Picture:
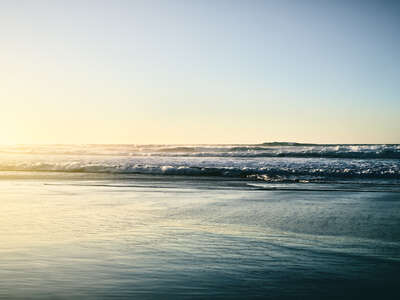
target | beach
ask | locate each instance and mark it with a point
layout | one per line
(99, 235)
(172, 149)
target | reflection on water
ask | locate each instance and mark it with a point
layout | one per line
(144, 239)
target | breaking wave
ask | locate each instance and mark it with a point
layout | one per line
(268, 162)
(245, 151)
(272, 170)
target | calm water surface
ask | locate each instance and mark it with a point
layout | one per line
(82, 236)
(187, 238)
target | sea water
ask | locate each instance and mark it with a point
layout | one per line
(271, 221)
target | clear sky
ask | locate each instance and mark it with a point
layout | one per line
(199, 71)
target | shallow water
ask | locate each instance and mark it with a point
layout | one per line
(68, 235)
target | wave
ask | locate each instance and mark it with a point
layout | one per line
(381, 154)
(254, 162)
(298, 173)
(286, 150)
(388, 154)
(266, 150)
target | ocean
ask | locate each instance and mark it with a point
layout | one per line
(264, 221)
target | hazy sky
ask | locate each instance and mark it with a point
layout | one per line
(199, 71)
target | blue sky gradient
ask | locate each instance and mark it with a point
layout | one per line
(199, 71)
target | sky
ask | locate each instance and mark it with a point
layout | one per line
(192, 71)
